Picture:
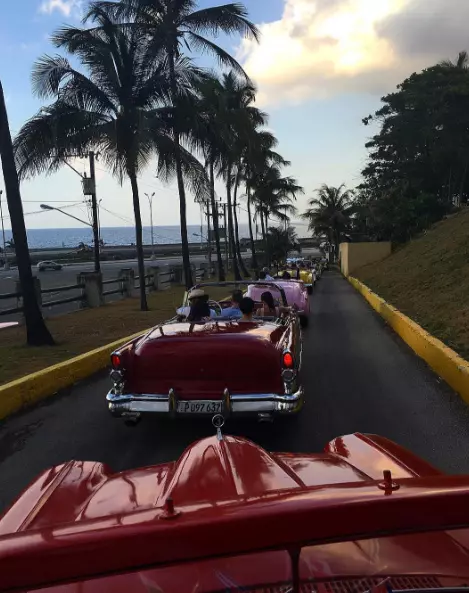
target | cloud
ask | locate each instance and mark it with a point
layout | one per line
(321, 48)
(66, 7)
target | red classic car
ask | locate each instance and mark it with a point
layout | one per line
(228, 516)
(218, 366)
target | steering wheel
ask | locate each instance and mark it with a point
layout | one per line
(216, 305)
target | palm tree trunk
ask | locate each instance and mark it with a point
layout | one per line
(186, 262)
(234, 259)
(236, 228)
(216, 227)
(37, 333)
(264, 237)
(254, 264)
(138, 240)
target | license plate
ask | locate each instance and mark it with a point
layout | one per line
(200, 407)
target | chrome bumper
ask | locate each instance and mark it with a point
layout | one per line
(125, 404)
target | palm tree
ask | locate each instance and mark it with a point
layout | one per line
(37, 333)
(238, 119)
(461, 62)
(330, 212)
(117, 107)
(281, 241)
(174, 25)
(272, 197)
(257, 157)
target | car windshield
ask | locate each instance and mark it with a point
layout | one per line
(402, 563)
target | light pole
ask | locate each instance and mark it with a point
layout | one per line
(150, 201)
(6, 265)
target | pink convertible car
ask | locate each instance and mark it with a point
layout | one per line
(295, 292)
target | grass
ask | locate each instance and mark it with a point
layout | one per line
(79, 332)
(428, 280)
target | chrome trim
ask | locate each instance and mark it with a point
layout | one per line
(116, 376)
(287, 403)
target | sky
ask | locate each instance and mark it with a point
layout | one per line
(320, 67)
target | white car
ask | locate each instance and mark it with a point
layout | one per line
(42, 266)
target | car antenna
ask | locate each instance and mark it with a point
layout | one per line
(218, 422)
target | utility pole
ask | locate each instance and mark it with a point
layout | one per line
(6, 265)
(209, 241)
(227, 243)
(150, 201)
(94, 209)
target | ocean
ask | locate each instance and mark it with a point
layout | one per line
(56, 238)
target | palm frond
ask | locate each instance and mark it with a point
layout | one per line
(229, 19)
(204, 46)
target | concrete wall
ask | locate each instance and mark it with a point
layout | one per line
(356, 255)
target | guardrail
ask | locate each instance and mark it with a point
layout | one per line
(148, 281)
(125, 284)
(119, 290)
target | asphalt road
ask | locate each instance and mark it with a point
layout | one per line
(68, 277)
(358, 376)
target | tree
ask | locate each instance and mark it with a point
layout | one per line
(37, 333)
(330, 212)
(272, 197)
(117, 106)
(174, 25)
(419, 160)
(281, 241)
(257, 156)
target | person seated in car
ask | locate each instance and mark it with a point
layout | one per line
(286, 275)
(267, 274)
(196, 295)
(233, 312)
(268, 307)
(247, 306)
(199, 312)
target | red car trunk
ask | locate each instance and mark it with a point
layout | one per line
(201, 361)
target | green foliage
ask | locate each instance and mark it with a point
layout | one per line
(419, 160)
(330, 213)
(281, 241)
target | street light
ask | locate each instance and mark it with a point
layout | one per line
(150, 201)
(47, 207)
(6, 265)
(203, 237)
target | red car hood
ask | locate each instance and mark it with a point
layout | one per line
(213, 473)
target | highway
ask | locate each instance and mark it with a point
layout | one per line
(68, 276)
(358, 376)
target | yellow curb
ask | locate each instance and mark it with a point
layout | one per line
(443, 360)
(37, 386)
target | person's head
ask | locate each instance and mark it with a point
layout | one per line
(236, 297)
(286, 275)
(266, 270)
(197, 294)
(247, 306)
(262, 275)
(199, 310)
(268, 299)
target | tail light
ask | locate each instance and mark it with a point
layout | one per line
(116, 361)
(288, 361)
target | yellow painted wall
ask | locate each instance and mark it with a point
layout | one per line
(356, 255)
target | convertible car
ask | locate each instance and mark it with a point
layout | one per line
(219, 366)
(296, 294)
(363, 516)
